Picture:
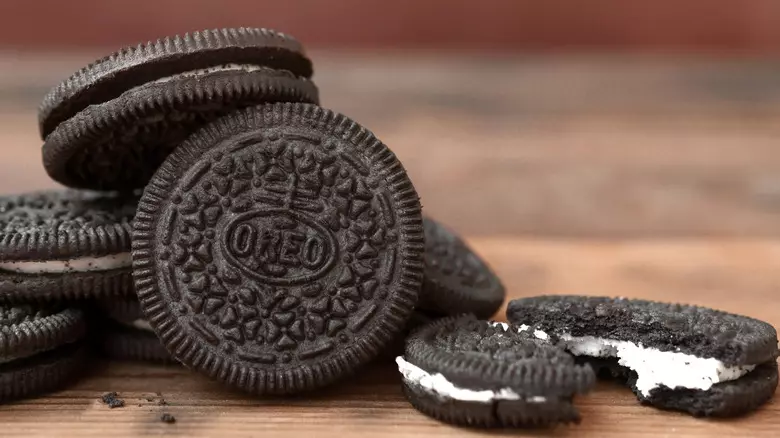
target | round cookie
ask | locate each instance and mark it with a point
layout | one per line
(456, 279)
(278, 249)
(688, 358)
(39, 349)
(65, 245)
(112, 124)
(486, 374)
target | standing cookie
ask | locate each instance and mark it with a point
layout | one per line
(39, 349)
(693, 359)
(457, 280)
(279, 248)
(111, 124)
(479, 373)
(65, 245)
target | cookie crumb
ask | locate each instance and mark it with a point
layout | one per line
(167, 418)
(112, 401)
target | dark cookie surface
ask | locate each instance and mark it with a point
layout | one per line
(503, 413)
(119, 144)
(62, 224)
(479, 355)
(26, 288)
(26, 330)
(457, 280)
(279, 248)
(41, 373)
(703, 332)
(725, 399)
(108, 77)
(123, 343)
(124, 310)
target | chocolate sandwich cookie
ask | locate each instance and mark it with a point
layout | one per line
(65, 244)
(39, 349)
(111, 124)
(278, 249)
(688, 358)
(457, 280)
(128, 335)
(486, 374)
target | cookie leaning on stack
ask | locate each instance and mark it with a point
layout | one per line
(279, 248)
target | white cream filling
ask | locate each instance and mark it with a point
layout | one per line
(538, 334)
(655, 367)
(247, 68)
(81, 264)
(141, 324)
(439, 385)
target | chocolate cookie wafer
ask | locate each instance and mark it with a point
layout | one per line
(279, 248)
(486, 374)
(127, 334)
(457, 280)
(39, 349)
(111, 124)
(65, 244)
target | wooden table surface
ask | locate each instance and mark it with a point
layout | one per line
(641, 177)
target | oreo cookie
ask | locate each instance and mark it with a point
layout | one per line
(39, 349)
(111, 124)
(278, 249)
(65, 245)
(487, 374)
(128, 335)
(687, 358)
(456, 280)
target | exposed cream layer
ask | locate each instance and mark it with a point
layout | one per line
(438, 385)
(655, 367)
(81, 264)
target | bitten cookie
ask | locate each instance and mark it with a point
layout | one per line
(688, 358)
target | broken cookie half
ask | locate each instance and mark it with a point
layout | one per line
(687, 358)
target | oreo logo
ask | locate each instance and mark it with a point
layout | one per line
(279, 246)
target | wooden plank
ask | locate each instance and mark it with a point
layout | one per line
(734, 275)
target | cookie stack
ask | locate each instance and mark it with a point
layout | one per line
(217, 217)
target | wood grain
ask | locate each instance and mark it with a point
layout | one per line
(638, 177)
(739, 276)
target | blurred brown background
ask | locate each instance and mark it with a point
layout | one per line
(702, 25)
